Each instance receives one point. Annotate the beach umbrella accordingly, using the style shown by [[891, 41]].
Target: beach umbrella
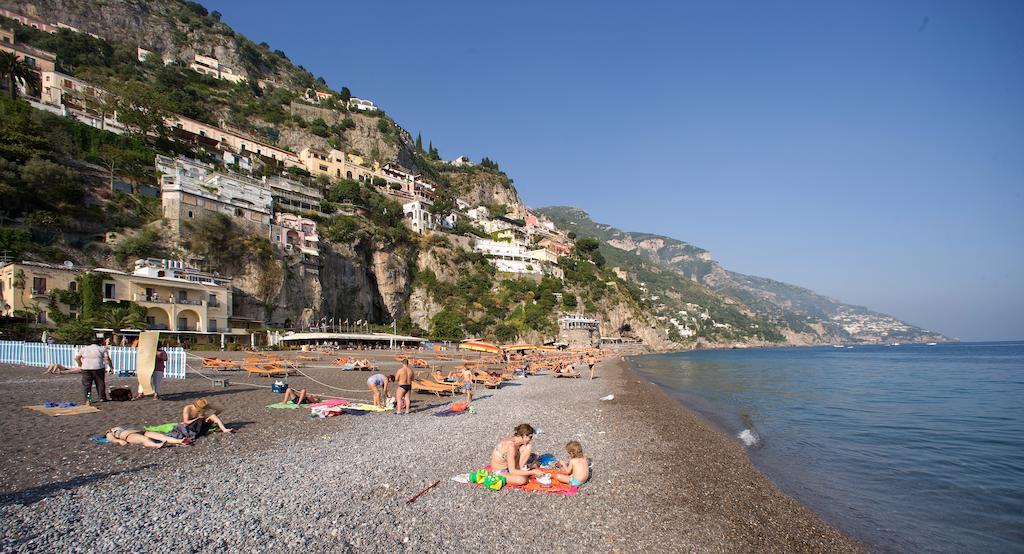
[[548, 348], [480, 346], [518, 347]]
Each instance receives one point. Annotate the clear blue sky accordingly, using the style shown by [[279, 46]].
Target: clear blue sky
[[871, 151]]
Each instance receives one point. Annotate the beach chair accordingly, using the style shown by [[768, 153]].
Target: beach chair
[[431, 387], [267, 371]]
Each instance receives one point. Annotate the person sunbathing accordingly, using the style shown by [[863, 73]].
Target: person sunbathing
[[150, 439], [440, 378], [58, 369], [511, 455], [301, 397]]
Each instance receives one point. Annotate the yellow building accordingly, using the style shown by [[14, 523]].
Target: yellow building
[[40, 60], [176, 297], [339, 165]]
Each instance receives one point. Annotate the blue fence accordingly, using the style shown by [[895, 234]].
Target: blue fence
[[124, 357]]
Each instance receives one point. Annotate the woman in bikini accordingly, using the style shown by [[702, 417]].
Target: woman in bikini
[[511, 454], [150, 439]]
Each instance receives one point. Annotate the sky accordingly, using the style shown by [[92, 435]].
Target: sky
[[870, 151]]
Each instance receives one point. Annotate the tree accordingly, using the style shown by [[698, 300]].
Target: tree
[[142, 109], [14, 70], [419, 143], [123, 317], [345, 94], [446, 325], [115, 158]]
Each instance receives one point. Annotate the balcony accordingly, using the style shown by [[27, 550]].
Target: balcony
[[160, 299]]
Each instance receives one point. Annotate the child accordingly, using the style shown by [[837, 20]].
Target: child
[[467, 385], [579, 470]]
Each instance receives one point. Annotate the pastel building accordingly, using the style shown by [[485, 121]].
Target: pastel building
[[295, 233], [208, 65], [39, 60], [176, 297], [516, 258], [361, 105], [192, 189], [216, 137]]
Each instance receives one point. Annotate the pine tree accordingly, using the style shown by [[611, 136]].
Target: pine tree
[[419, 143]]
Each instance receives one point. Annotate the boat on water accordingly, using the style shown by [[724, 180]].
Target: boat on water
[[838, 346], [895, 344], [932, 343]]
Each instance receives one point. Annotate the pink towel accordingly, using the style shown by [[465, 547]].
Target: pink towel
[[331, 403]]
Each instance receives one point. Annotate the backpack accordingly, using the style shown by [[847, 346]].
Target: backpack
[[120, 394]]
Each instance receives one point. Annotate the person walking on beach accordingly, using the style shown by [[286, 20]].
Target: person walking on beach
[[93, 359], [404, 379]]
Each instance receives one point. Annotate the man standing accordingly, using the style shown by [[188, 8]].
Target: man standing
[[404, 379], [93, 359]]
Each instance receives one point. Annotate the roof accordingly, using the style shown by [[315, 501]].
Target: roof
[[351, 336]]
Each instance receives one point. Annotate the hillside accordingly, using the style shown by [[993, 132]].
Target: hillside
[[801, 314]]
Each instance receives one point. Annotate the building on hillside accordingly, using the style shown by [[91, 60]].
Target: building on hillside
[[293, 195], [558, 248], [79, 99], [418, 216], [208, 65], [316, 96], [30, 21], [220, 138], [515, 258], [297, 235], [37, 59], [361, 105], [461, 161], [191, 189], [479, 213], [176, 297], [337, 165], [579, 331]]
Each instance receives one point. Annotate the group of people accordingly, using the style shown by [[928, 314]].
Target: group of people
[[93, 362], [378, 383], [196, 419], [513, 458]]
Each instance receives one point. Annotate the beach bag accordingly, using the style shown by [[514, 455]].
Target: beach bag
[[120, 394]]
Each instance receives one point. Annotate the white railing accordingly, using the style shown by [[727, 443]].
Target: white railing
[[40, 354]]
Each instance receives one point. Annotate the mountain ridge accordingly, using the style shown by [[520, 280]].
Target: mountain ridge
[[821, 318]]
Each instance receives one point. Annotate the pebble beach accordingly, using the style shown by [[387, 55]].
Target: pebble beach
[[662, 479]]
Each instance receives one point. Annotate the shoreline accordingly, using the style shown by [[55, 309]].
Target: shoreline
[[662, 478], [763, 518]]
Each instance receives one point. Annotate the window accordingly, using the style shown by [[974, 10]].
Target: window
[[323, 167], [108, 291], [190, 214], [182, 296], [182, 324], [73, 286], [150, 321], [213, 326], [213, 301], [239, 212], [30, 61], [41, 318], [38, 285]]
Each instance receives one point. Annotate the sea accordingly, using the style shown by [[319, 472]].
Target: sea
[[906, 448]]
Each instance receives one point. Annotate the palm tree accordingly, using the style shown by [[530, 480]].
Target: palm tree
[[13, 70], [119, 317]]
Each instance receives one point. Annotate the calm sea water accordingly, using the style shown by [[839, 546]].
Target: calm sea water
[[908, 448]]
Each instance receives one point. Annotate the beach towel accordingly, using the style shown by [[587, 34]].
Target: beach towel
[[55, 411], [284, 406], [330, 403], [98, 438], [532, 486], [365, 408], [456, 409], [168, 427]]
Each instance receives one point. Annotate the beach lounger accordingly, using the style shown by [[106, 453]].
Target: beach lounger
[[419, 385], [267, 371]]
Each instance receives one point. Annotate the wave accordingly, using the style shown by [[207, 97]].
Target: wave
[[749, 437]]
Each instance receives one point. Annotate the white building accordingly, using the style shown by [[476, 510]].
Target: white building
[[510, 257], [461, 161], [361, 105], [418, 216], [190, 189]]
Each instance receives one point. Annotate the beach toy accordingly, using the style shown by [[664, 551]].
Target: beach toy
[[477, 476], [459, 407], [278, 387], [544, 480], [494, 482]]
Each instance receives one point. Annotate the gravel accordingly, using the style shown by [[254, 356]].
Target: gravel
[[662, 480]]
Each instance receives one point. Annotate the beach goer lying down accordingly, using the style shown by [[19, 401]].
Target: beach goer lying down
[[578, 468], [511, 454], [150, 439], [58, 369], [200, 415], [300, 396]]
